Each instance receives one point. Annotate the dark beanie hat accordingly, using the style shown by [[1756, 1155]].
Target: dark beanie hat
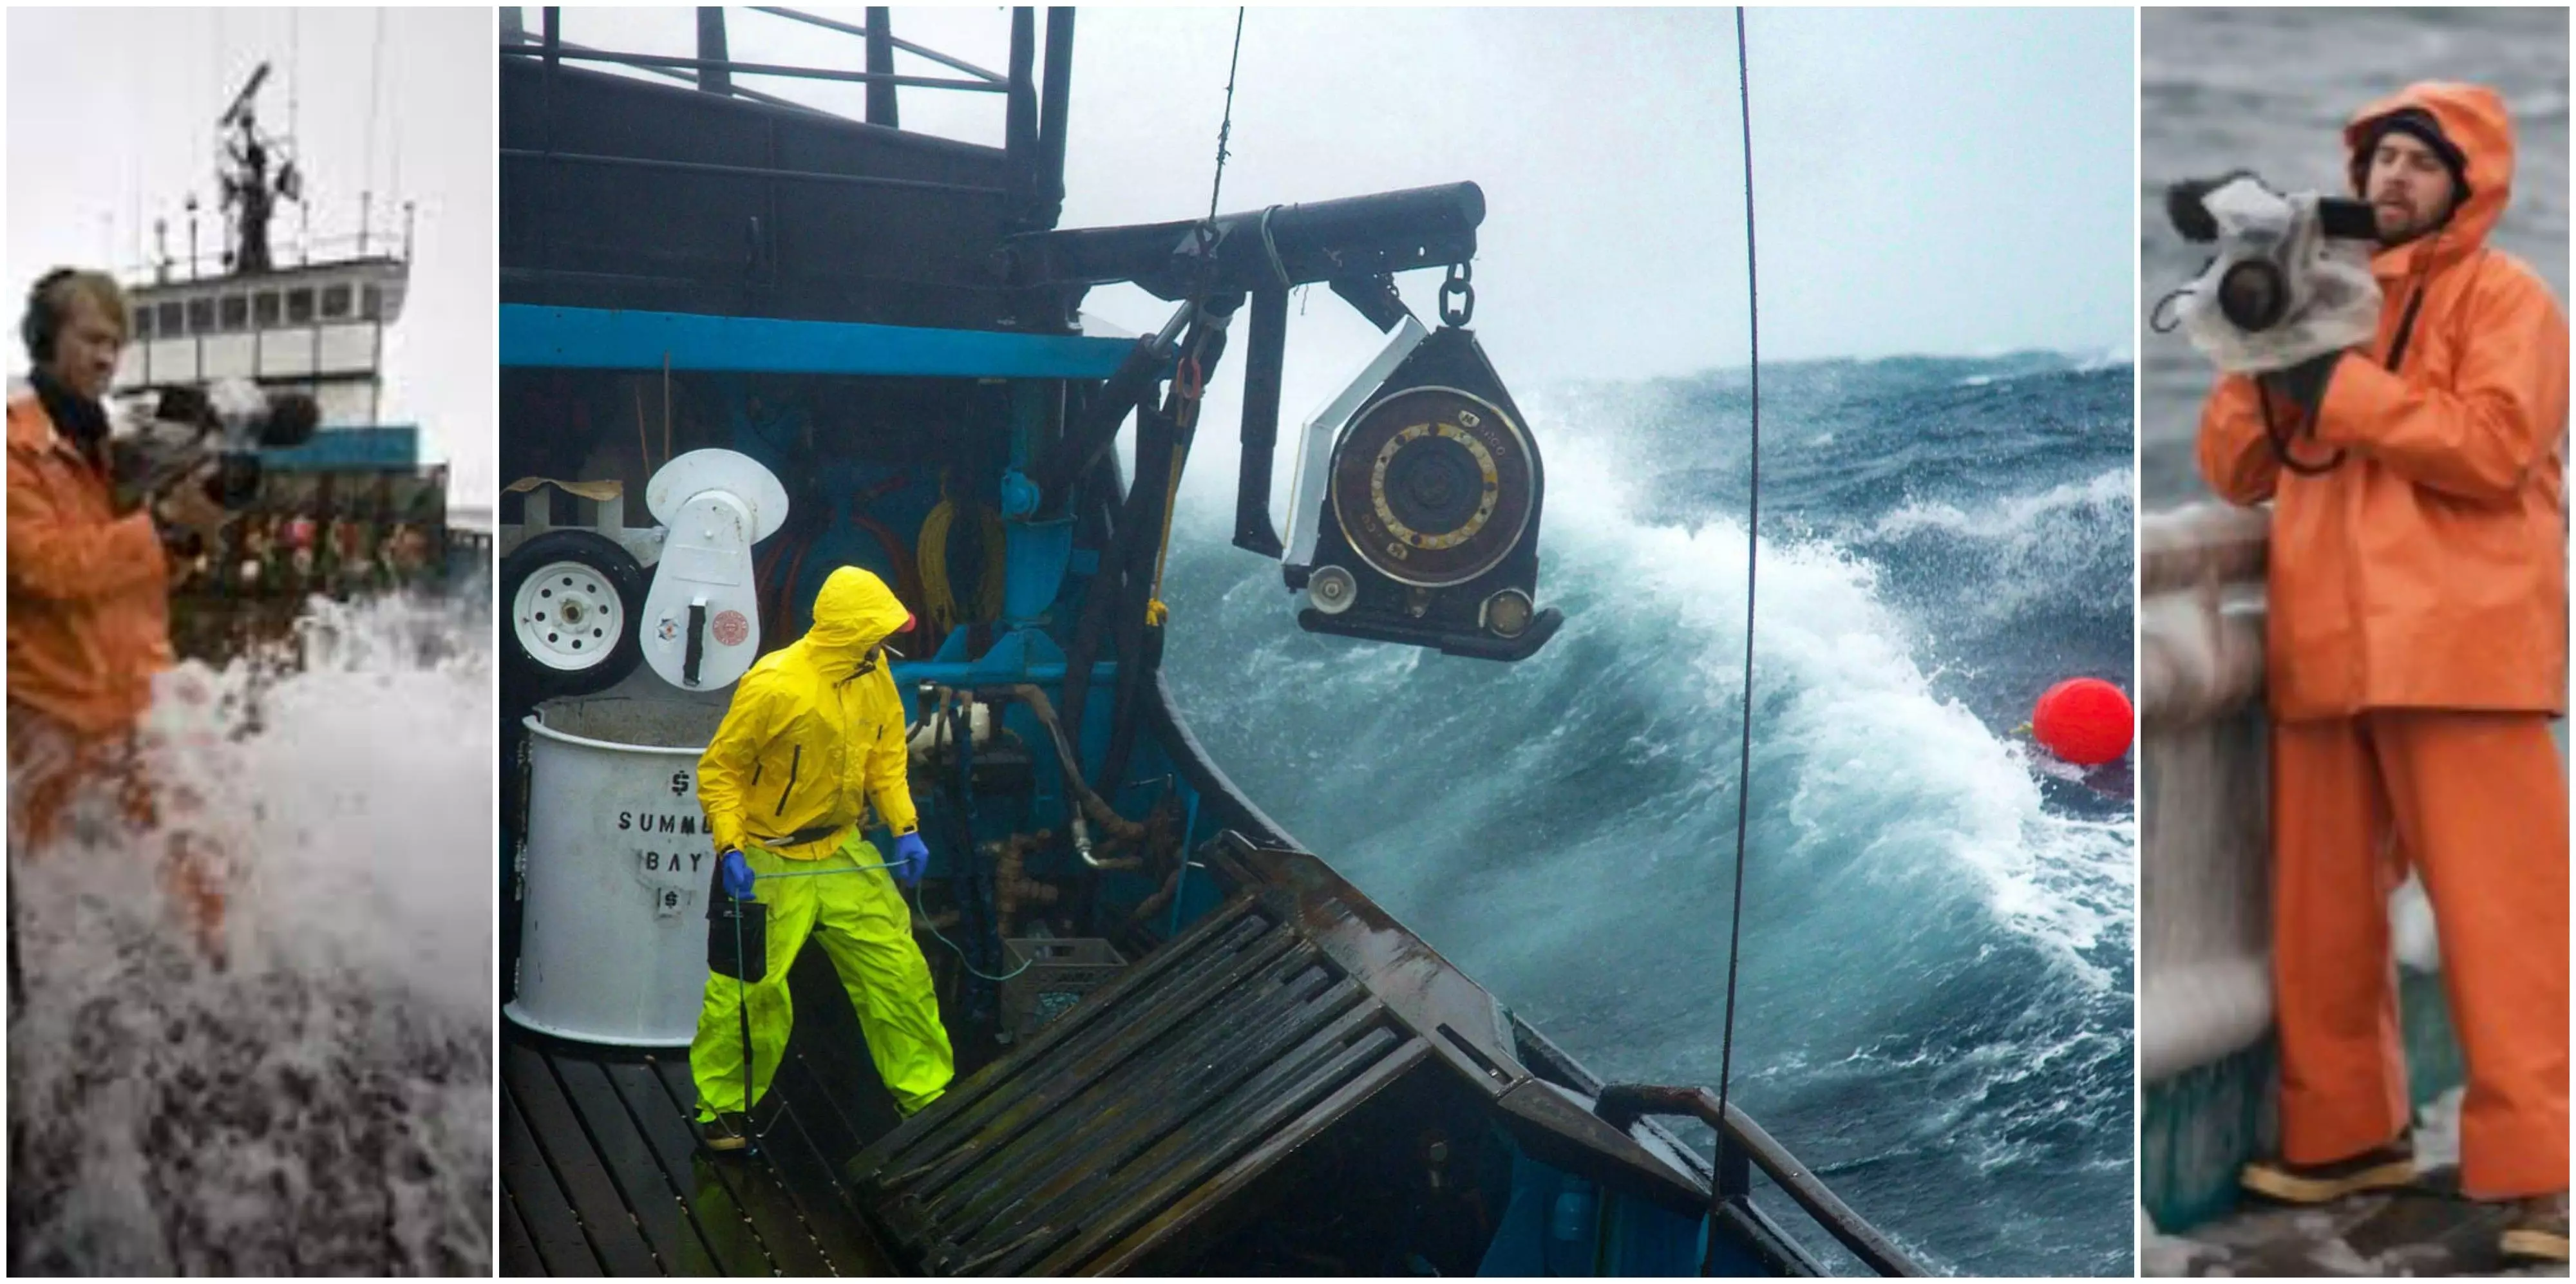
[[2418, 124]]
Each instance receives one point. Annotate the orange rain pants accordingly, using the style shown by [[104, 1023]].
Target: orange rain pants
[[2477, 803], [51, 768]]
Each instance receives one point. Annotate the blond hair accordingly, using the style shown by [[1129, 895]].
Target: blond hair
[[49, 305]]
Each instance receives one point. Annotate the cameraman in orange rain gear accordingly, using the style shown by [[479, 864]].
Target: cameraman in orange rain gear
[[2417, 650], [89, 614]]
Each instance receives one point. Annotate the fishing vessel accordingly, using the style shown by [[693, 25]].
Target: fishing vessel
[[353, 508], [273, 911], [1186, 1044]]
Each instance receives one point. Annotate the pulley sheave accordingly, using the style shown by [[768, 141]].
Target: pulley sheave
[[1433, 485]]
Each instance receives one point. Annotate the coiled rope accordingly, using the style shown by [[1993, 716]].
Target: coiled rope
[[930, 560]]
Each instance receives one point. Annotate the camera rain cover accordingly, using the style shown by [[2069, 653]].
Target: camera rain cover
[[2333, 301]]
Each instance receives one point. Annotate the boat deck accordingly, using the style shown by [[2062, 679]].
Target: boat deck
[[601, 1173], [2428, 1229], [1295, 1085]]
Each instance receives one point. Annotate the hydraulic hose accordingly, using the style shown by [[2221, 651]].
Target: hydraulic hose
[[1080, 798]]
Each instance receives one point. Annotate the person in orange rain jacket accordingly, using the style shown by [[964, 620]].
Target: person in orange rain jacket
[[2417, 649], [89, 619]]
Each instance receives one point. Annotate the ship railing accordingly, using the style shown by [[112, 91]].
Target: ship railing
[[699, 69], [1742, 1147], [710, 73], [305, 252], [1034, 133], [2204, 898]]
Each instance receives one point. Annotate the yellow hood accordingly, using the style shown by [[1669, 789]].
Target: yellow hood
[[854, 612]]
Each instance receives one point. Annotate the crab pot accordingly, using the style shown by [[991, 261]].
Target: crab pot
[[615, 869]]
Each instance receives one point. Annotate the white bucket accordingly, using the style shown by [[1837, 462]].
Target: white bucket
[[613, 943]]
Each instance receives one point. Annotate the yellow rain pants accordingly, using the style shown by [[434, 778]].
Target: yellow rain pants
[[866, 929]]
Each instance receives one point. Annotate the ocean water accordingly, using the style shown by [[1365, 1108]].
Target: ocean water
[[1938, 926], [2270, 89], [324, 1104]]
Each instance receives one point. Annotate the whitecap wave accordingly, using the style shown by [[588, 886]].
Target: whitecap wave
[[2106, 496]]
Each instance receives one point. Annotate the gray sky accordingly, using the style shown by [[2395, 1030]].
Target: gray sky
[[1940, 181], [113, 110], [1929, 181]]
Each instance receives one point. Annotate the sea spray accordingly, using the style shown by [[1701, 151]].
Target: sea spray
[[324, 1103]]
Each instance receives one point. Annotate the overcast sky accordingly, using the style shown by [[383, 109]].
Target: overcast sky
[[1928, 180], [113, 110]]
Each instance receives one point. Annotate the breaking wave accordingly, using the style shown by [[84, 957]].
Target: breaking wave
[[323, 1103], [1939, 924]]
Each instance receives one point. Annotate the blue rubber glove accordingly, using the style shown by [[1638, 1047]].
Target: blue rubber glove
[[911, 856], [737, 876]]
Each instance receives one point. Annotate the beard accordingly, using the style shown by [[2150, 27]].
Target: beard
[[2412, 226]]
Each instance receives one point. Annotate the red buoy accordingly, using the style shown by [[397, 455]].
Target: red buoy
[[2085, 721]]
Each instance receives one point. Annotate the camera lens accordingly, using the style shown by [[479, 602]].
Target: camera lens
[[2252, 294]]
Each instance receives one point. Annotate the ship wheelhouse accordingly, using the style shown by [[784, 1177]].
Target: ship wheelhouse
[[317, 328], [1203, 1052]]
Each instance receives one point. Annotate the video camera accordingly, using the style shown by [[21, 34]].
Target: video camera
[[227, 424], [2289, 278]]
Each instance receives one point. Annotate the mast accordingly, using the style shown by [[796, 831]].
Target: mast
[[250, 189]]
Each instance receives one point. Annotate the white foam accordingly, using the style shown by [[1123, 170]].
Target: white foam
[[304, 1109], [1880, 761], [2010, 516], [1883, 759]]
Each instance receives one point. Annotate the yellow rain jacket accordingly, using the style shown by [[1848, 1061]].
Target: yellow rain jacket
[[815, 734]]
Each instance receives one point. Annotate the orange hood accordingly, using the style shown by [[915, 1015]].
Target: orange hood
[[2473, 118]]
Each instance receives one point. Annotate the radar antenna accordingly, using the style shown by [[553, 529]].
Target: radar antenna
[[250, 190]]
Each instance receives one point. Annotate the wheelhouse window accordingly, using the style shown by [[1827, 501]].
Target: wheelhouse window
[[201, 316], [236, 311], [371, 303], [335, 301], [142, 323], [263, 308], [299, 305], [171, 323]]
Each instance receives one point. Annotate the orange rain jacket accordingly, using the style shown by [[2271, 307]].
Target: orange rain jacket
[[89, 607], [2428, 569]]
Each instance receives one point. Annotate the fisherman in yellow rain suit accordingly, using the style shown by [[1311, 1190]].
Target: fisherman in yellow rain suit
[[814, 740]]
